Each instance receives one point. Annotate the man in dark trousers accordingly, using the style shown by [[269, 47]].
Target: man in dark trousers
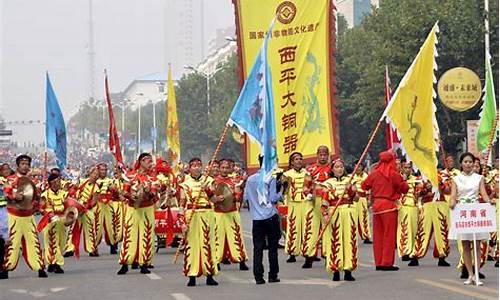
[[265, 224]]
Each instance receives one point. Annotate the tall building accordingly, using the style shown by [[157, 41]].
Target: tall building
[[354, 10], [184, 33]]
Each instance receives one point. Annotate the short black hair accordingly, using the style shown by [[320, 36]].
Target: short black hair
[[194, 159], [52, 177], [23, 157], [141, 156]]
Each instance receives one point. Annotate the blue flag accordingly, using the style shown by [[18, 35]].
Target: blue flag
[[253, 113], [55, 130]]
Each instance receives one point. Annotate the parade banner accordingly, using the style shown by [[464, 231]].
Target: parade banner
[[172, 123], [411, 112], [301, 59], [473, 218], [55, 128], [114, 140]]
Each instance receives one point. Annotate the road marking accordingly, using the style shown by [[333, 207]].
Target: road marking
[[235, 279], [308, 281], [312, 281], [153, 276], [481, 288], [19, 291], [38, 294], [455, 289], [180, 296], [58, 289], [365, 265]]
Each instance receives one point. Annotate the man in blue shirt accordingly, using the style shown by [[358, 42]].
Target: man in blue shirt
[[266, 223]]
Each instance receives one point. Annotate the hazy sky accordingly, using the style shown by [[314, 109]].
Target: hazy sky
[[130, 41]]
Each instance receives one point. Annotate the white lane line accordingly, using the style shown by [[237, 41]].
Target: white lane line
[[58, 289], [308, 281], [37, 294], [365, 265], [481, 288], [153, 276], [466, 291], [19, 291], [180, 296]]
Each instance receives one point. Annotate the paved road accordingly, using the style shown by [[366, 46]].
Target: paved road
[[95, 278]]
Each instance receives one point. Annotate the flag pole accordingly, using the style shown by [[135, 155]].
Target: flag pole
[[360, 160], [193, 208], [443, 153], [487, 153]]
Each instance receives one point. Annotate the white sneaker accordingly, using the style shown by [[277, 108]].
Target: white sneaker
[[479, 283], [469, 281]]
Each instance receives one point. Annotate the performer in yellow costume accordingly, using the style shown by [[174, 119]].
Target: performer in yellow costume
[[434, 218], [301, 230], [320, 172], [196, 212], [138, 232], [362, 206], [54, 234], [109, 210], [86, 194], [22, 228], [340, 239], [230, 246], [408, 214]]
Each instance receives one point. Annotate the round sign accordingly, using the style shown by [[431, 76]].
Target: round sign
[[459, 89]]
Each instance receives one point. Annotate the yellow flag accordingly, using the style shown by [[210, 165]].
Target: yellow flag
[[172, 126], [411, 111]]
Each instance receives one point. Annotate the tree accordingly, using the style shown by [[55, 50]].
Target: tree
[[392, 35]]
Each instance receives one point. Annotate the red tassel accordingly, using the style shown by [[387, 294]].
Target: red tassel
[[76, 239], [170, 227], [44, 221]]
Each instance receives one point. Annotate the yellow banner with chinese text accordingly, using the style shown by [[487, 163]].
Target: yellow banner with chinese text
[[301, 58]]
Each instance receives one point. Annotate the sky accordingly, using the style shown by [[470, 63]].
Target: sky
[[130, 36]]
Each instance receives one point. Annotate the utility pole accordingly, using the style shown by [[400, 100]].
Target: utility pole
[[91, 56]]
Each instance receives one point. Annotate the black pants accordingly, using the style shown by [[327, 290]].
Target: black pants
[[269, 228], [2, 252]]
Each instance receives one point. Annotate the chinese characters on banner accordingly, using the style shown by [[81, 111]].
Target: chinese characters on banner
[[473, 218], [301, 57], [472, 127]]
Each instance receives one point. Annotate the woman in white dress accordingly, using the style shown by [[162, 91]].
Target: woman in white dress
[[466, 188]]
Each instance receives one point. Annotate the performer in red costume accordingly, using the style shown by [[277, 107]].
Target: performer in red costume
[[386, 185]]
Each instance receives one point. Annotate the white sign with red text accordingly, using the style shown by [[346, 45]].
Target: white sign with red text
[[473, 218]]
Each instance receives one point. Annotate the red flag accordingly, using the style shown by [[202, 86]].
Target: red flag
[[391, 137], [114, 141]]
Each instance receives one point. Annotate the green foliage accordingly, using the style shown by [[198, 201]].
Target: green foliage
[[392, 35]]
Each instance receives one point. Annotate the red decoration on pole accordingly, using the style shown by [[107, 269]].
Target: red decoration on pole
[[114, 140]]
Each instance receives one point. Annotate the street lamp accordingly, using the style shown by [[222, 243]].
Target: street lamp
[[207, 77], [154, 126], [139, 123]]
